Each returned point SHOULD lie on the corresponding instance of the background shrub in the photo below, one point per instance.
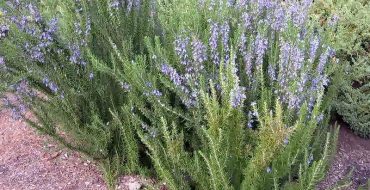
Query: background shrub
(349, 32)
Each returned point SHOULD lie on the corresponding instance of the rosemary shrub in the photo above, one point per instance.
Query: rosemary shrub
(201, 94)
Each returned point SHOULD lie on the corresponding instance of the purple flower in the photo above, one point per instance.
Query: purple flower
(145, 126)
(225, 37)
(52, 26)
(45, 80)
(272, 72)
(148, 84)
(292, 77)
(62, 96)
(302, 81)
(331, 52)
(260, 48)
(125, 86)
(16, 115)
(264, 4)
(76, 56)
(152, 131)
(114, 4)
(199, 51)
(82, 33)
(213, 43)
(237, 96)
(230, 3)
(4, 30)
(201, 3)
(78, 29)
(295, 95)
(49, 84)
(172, 73)
(26, 23)
(333, 20)
(188, 97)
(247, 20)
(2, 61)
(323, 61)
(35, 52)
(246, 54)
(320, 118)
(299, 11)
(314, 45)
(240, 4)
(88, 26)
(297, 57)
(242, 44)
(35, 13)
(53, 87)
(278, 20)
(286, 141)
(181, 45)
(3, 11)
(319, 81)
(156, 92)
(285, 49)
(91, 76)
(132, 4)
(248, 63)
(45, 40)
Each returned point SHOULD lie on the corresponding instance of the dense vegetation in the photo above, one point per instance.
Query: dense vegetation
(351, 38)
(200, 94)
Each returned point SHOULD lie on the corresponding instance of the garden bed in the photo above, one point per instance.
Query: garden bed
(352, 157)
(194, 94)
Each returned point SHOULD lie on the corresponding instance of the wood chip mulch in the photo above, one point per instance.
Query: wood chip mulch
(350, 168)
(31, 161)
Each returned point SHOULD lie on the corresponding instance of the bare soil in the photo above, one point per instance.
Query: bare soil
(31, 161)
(350, 167)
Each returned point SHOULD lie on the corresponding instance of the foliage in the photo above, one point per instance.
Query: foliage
(367, 186)
(351, 37)
(79, 103)
(227, 95)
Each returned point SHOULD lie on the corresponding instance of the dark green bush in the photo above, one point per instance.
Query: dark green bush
(350, 36)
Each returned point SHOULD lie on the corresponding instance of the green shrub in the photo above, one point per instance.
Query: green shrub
(229, 99)
(83, 107)
(351, 37)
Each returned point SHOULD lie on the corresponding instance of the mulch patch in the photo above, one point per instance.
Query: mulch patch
(350, 167)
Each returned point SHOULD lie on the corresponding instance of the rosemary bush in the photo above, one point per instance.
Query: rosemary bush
(201, 94)
(349, 32)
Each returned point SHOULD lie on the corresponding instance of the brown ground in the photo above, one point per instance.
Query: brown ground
(31, 161)
(353, 157)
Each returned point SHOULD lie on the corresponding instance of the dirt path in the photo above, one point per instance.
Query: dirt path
(353, 157)
(31, 161)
